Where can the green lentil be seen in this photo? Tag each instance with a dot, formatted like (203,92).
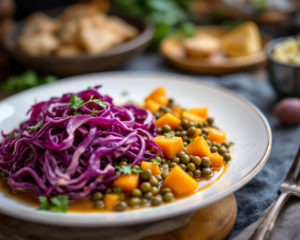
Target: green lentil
(154,190)
(134,201)
(97,196)
(227,157)
(145,187)
(168,197)
(165,190)
(173,164)
(184,158)
(191,131)
(183,166)
(99,204)
(205,161)
(197,173)
(205,131)
(146,174)
(196,160)
(179,128)
(156,200)
(206,171)
(136,192)
(176,159)
(148,195)
(153,180)
(222,150)
(191,173)
(191,166)
(213,149)
(121,206)
(166,128)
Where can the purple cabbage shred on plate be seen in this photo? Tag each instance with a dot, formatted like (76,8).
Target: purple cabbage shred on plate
(71,144)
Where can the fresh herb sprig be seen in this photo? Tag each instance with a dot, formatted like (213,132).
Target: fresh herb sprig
(169,135)
(35,127)
(127,169)
(55,204)
(155,161)
(77,102)
(12,135)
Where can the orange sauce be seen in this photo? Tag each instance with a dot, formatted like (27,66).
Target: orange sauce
(86,205)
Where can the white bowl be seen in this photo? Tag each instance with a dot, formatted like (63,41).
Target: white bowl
(245,125)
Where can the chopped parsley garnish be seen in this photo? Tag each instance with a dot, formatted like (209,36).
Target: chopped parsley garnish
(89,88)
(75,102)
(126,169)
(155,161)
(93,113)
(119,192)
(169,135)
(56,204)
(136,169)
(44,204)
(191,140)
(35,127)
(12,135)
(3,174)
(99,102)
(231,143)
(183,109)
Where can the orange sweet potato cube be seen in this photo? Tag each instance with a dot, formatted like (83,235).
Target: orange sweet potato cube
(198,147)
(216,135)
(152,166)
(180,182)
(127,182)
(169,145)
(169,119)
(217,160)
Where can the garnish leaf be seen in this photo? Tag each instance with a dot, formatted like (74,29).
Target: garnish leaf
(99,102)
(12,135)
(76,102)
(35,127)
(155,161)
(119,192)
(191,140)
(136,169)
(126,169)
(89,88)
(169,135)
(44,204)
(183,109)
(231,143)
(3,174)
(93,113)
(59,203)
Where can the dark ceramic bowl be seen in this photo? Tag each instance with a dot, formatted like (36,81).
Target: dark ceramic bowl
(83,63)
(284,77)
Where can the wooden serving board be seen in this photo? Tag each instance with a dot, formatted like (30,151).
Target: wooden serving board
(213,222)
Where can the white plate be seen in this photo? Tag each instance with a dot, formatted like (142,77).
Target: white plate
(243,122)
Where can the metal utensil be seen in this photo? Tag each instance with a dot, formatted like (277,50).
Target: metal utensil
(289,187)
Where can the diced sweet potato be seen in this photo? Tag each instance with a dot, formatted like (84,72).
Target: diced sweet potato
(152,166)
(197,133)
(169,145)
(192,117)
(111,200)
(127,182)
(152,106)
(199,111)
(217,160)
(176,111)
(216,135)
(198,147)
(159,95)
(180,182)
(169,119)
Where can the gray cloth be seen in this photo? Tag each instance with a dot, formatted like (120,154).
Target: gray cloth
(261,192)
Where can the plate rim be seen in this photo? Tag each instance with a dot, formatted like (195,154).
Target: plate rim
(175,77)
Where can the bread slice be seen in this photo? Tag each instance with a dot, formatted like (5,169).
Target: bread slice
(242,41)
(202,46)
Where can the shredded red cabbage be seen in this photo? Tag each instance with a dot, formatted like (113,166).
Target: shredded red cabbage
(64,150)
